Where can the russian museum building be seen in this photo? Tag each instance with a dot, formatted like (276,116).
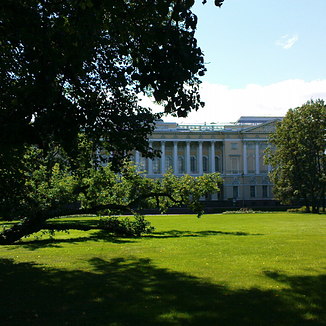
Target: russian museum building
(235,150)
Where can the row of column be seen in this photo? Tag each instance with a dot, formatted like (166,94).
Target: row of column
(175,157)
(257,163)
(200,155)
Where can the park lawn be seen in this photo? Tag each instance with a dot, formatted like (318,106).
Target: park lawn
(226,269)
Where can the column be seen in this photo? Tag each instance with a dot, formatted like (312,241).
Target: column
(212,156)
(150,161)
(245,161)
(175,157)
(188,157)
(137,159)
(224,165)
(257,159)
(200,157)
(162,157)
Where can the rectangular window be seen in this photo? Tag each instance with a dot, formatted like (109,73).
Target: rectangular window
(252,191)
(235,192)
(235,165)
(234,145)
(265,191)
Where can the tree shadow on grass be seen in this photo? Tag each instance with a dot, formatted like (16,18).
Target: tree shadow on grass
(179,234)
(135,292)
(102,235)
(97,235)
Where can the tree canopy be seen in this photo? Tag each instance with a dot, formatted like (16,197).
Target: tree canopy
(67,66)
(298,155)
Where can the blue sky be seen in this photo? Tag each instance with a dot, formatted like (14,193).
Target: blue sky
(263,57)
(262,41)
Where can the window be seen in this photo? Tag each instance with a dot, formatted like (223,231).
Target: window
(235,192)
(251,163)
(156,165)
(251,158)
(252,191)
(217,164)
(265,191)
(234,145)
(234,164)
(181,164)
(142,163)
(168,163)
(193,164)
(205,164)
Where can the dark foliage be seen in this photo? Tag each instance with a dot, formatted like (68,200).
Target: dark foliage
(72,65)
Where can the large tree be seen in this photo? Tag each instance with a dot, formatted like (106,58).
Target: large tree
(298,156)
(67,66)
(80,64)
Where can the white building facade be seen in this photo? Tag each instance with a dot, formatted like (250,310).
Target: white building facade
(235,150)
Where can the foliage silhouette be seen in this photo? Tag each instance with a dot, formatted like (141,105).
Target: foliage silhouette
(135,292)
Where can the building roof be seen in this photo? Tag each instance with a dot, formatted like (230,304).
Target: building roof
(255,119)
(243,123)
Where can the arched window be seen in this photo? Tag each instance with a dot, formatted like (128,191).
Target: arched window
(193,164)
(217,164)
(156,165)
(181,164)
(142,163)
(168,163)
(205,164)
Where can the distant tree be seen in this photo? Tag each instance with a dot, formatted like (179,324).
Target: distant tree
(298,156)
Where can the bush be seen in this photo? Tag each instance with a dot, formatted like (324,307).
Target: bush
(302,209)
(125,226)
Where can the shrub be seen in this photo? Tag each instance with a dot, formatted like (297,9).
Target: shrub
(126,226)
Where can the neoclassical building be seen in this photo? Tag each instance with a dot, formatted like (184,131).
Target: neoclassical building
(235,150)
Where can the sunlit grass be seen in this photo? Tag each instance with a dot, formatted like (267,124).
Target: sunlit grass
(265,255)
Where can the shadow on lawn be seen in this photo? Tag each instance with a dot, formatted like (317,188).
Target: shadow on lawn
(179,234)
(135,292)
(97,235)
(102,235)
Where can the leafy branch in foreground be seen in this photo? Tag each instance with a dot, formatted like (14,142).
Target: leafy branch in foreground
(57,192)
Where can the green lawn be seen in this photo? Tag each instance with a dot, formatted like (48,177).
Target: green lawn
(234,269)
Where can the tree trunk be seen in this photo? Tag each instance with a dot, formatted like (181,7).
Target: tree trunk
(26,227)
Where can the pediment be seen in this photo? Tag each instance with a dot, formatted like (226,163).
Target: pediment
(266,128)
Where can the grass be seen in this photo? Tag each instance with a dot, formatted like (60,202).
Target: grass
(234,269)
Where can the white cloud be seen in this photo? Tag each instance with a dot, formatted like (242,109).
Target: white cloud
(224,104)
(286,41)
